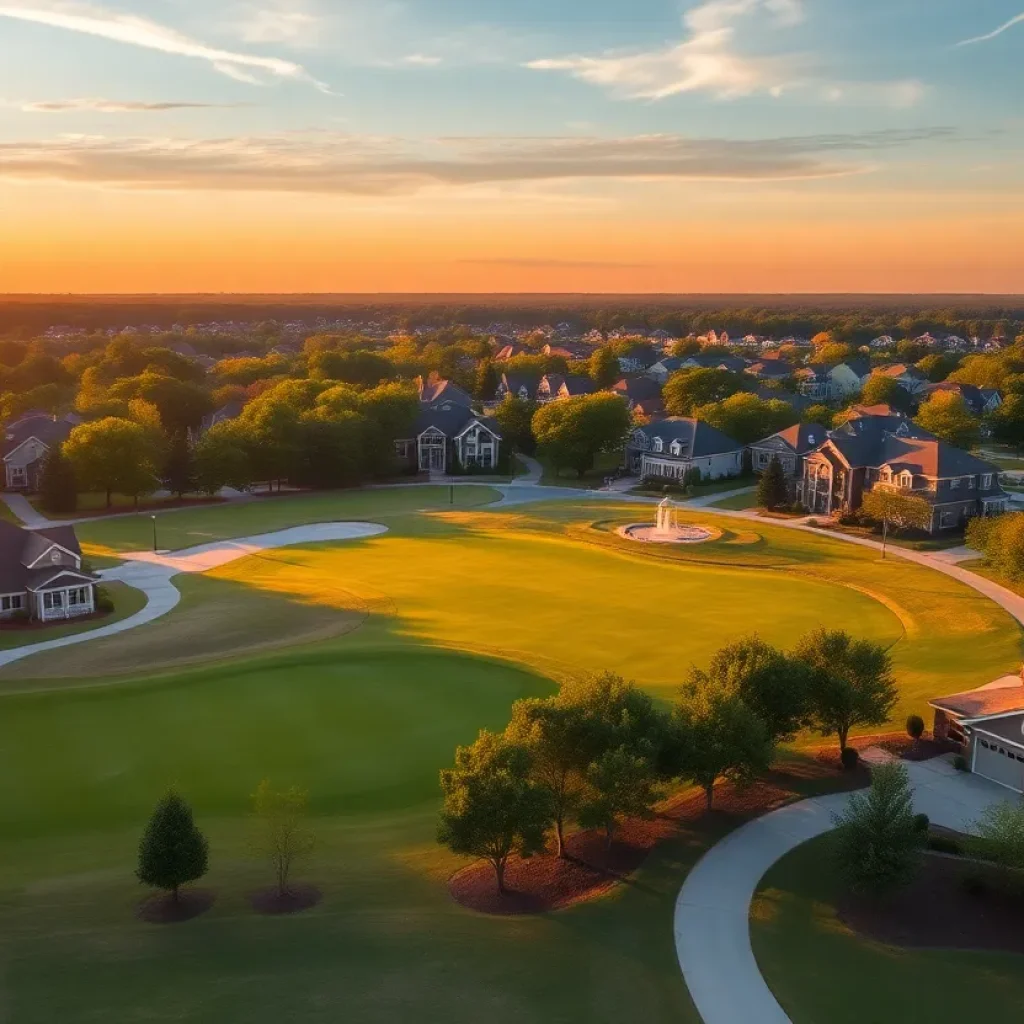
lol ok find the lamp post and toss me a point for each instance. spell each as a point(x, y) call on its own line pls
point(154, 533)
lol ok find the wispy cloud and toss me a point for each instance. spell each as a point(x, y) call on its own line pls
point(330, 163)
point(135, 31)
point(101, 106)
point(706, 61)
point(712, 60)
point(995, 32)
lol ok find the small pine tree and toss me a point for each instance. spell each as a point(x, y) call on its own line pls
point(172, 851)
point(179, 467)
point(772, 491)
point(58, 489)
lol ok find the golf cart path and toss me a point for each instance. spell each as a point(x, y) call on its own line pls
point(153, 574)
point(712, 912)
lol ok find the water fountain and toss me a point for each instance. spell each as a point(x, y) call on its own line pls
point(666, 528)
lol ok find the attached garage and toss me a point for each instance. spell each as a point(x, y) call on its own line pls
point(996, 757)
point(988, 726)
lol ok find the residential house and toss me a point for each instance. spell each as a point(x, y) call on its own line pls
point(664, 368)
point(771, 370)
point(519, 385)
point(814, 381)
point(668, 448)
point(790, 446)
point(869, 452)
point(701, 361)
point(823, 383)
point(988, 726)
point(41, 574)
point(510, 350)
point(557, 385)
point(637, 389)
point(909, 377)
point(448, 435)
point(436, 392)
point(980, 401)
point(27, 441)
point(549, 387)
point(637, 358)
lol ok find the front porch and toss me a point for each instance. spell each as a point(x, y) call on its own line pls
point(61, 603)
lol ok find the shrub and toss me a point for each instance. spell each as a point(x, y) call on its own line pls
point(915, 727)
point(797, 508)
point(104, 602)
point(960, 763)
point(921, 822)
point(850, 758)
point(946, 844)
point(877, 846)
point(812, 522)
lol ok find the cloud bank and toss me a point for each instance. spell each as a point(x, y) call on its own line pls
point(337, 164)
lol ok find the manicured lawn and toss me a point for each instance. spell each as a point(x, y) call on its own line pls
point(102, 540)
point(820, 970)
point(127, 601)
point(604, 465)
point(94, 503)
point(354, 669)
point(738, 502)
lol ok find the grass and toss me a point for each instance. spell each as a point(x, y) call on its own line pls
point(104, 539)
point(604, 465)
point(820, 970)
point(127, 601)
point(354, 669)
point(95, 503)
point(738, 502)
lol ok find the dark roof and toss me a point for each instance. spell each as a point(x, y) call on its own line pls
point(638, 389)
point(515, 381)
point(44, 428)
point(701, 438)
point(712, 362)
point(771, 368)
point(576, 384)
point(20, 548)
point(974, 398)
point(981, 703)
point(435, 389)
point(860, 365)
point(452, 421)
point(931, 458)
point(802, 438)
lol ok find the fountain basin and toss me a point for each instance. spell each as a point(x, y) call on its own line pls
point(648, 533)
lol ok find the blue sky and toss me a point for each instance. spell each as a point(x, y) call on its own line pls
point(440, 101)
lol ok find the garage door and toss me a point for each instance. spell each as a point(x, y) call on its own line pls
point(996, 760)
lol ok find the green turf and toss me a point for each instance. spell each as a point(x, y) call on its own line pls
point(738, 502)
point(104, 539)
point(127, 601)
point(820, 970)
point(403, 645)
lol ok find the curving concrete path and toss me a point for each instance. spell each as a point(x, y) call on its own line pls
point(153, 573)
point(712, 913)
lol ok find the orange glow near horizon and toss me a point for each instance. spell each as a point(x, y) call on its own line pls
point(96, 241)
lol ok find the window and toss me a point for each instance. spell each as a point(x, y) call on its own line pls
point(906, 480)
point(11, 603)
point(947, 519)
point(954, 484)
point(658, 445)
point(675, 448)
point(986, 481)
point(763, 459)
point(55, 556)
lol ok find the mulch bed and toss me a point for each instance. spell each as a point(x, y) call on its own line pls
point(161, 908)
point(898, 743)
point(545, 882)
point(937, 911)
point(297, 899)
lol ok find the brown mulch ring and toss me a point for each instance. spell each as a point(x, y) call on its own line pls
point(938, 911)
point(294, 901)
point(898, 743)
point(545, 882)
point(162, 908)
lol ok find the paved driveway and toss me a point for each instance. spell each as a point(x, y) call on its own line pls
point(712, 914)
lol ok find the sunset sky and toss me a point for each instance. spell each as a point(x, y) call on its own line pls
point(512, 145)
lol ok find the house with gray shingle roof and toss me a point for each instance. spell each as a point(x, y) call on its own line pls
point(41, 575)
point(667, 449)
point(26, 443)
point(790, 446)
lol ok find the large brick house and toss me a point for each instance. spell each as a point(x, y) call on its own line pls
point(886, 451)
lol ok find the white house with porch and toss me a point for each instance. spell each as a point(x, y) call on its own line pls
point(41, 575)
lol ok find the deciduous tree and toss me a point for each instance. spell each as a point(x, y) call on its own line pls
point(113, 454)
point(851, 682)
point(572, 432)
point(899, 511)
point(58, 488)
point(746, 418)
point(685, 390)
point(946, 415)
point(282, 835)
point(621, 783)
point(493, 808)
point(603, 367)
